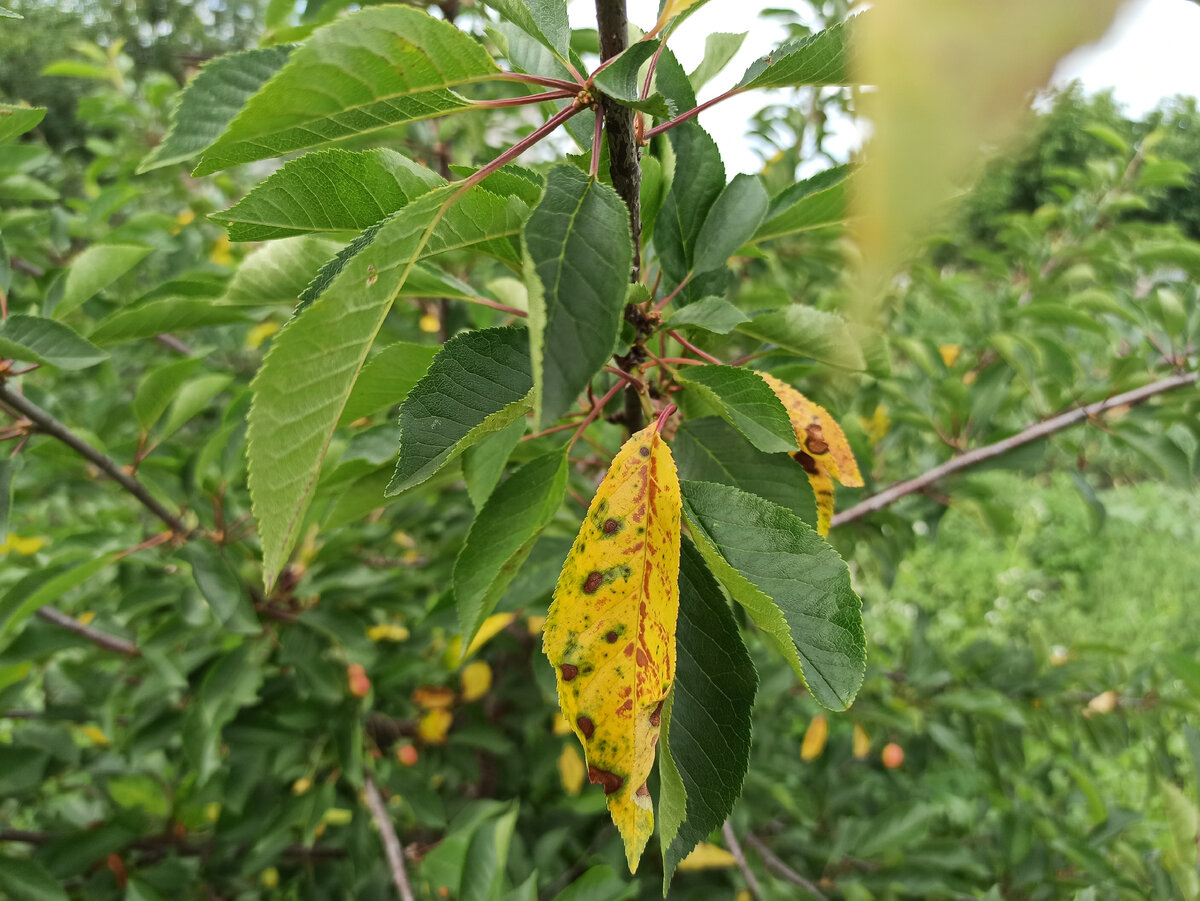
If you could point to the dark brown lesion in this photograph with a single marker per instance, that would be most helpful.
(593, 582)
(809, 464)
(644, 451)
(586, 726)
(656, 716)
(611, 637)
(610, 527)
(643, 792)
(611, 781)
(569, 671)
(816, 442)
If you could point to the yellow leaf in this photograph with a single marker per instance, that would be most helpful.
(185, 217)
(86, 617)
(1105, 702)
(260, 333)
(743, 895)
(822, 487)
(878, 425)
(24, 546)
(95, 735)
(212, 811)
(671, 9)
(560, 726)
(535, 624)
(492, 626)
(429, 324)
(387, 632)
(708, 857)
(434, 725)
(814, 738)
(610, 634)
(337, 816)
(430, 697)
(221, 252)
(949, 353)
(476, 680)
(862, 742)
(571, 770)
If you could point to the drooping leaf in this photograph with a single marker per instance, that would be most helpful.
(731, 221)
(719, 49)
(543, 20)
(279, 272)
(610, 633)
(746, 402)
(174, 314)
(794, 586)
(221, 587)
(33, 339)
(818, 59)
(478, 383)
(387, 379)
(824, 452)
(379, 67)
(578, 254)
(707, 719)
(484, 462)
(713, 314)
(813, 203)
(809, 332)
(502, 536)
(211, 100)
(95, 269)
(699, 179)
(620, 81)
(16, 120)
(330, 190)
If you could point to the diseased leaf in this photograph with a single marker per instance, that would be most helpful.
(818, 59)
(330, 190)
(578, 254)
(174, 314)
(379, 67)
(746, 402)
(16, 120)
(620, 80)
(706, 721)
(95, 269)
(387, 379)
(502, 536)
(33, 339)
(809, 332)
(794, 586)
(478, 383)
(211, 100)
(824, 452)
(610, 633)
(732, 220)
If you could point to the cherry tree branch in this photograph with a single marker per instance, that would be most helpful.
(735, 849)
(95, 636)
(779, 868)
(1032, 433)
(690, 114)
(387, 834)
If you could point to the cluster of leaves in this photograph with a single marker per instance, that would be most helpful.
(408, 567)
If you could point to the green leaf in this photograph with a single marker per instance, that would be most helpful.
(221, 586)
(710, 450)
(211, 100)
(578, 254)
(193, 398)
(8, 466)
(543, 20)
(483, 463)
(707, 719)
(45, 586)
(279, 272)
(732, 219)
(818, 59)
(719, 50)
(231, 683)
(24, 879)
(746, 402)
(671, 80)
(373, 69)
(795, 586)
(158, 387)
(483, 875)
(478, 383)
(33, 339)
(808, 332)
(94, 270)
(502, 536)
(9, 14)
(599, 883)
(387, 379)
(331, 190)
(812, 203)
(173, 314)
(699, 180)
(713, 314)
(5, 268)
(620, 80)
(16, 120)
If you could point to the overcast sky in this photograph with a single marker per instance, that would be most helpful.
(1151, 52)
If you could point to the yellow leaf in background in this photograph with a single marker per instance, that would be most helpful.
(1105, 702)
(814, 738)
(86, 617)
(610, 634)
(222, 251)
(492, 626)
(743, 895)
(878, 425)
(24, 546)
(826, 452)
(429, 324)
(862, 742)
(212, 811)
(560, 726)
(434, 725)
(952, 80)
(571, 770)
(387, 632)
(260, 333)
(338, 816)
(708, 857)
(671, 9)
(95, 735)
(476, 680)
(429, 697)
(185, 217)
(950, 353)
(535, 624)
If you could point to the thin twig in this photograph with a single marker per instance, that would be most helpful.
(596, 408)
(683, 117)
(391, 844)
(540, 80)
(48, 425)
(736, 850)
(541, 97)
(172, 343)
(1032, 433)
(779, 868)
(95, 636)
(693, 348)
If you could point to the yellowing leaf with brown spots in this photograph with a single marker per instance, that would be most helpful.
(610, 633)
(824, 453)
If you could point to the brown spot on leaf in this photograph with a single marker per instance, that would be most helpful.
(610, 781)
(816, 439)
(611, 637)
(644, 451)
(569, 672)
(644, 791)
(642, 659)
(656, 716)
(586, 726)
(809, 464)
(629, 650)
(610, 526)
(593, 582)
